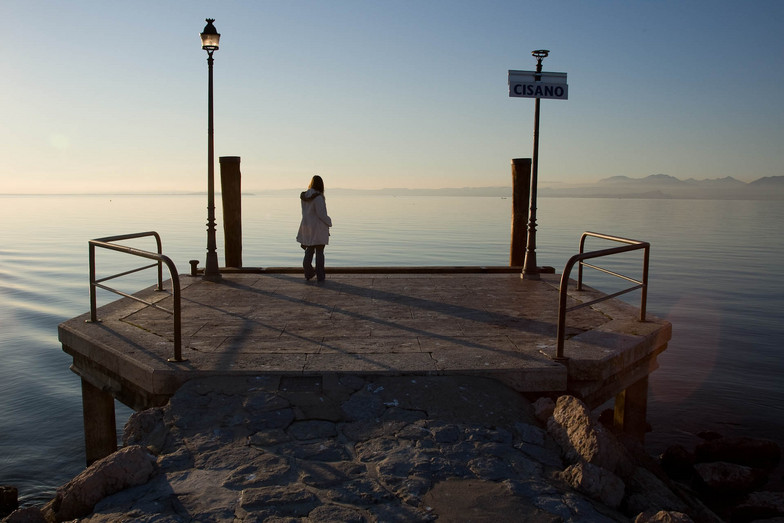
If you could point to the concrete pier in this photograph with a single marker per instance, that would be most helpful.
(365, 321)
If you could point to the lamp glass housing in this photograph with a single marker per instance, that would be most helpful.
(210, 41)
(210, 38)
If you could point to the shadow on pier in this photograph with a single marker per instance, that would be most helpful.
(364, 322)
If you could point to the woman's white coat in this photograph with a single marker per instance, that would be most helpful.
(314, 228)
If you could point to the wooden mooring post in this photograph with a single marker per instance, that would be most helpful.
(521, 195)
(231, 194)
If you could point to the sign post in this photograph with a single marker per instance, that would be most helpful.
(538, 85)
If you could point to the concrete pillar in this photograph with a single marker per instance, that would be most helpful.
(631, 409)
(231, 191)
(100, 428)
(521, 194)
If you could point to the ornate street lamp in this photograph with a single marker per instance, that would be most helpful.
(209, 42)
(530, 270)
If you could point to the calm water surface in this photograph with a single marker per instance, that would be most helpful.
(715, 273)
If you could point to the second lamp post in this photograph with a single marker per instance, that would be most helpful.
(209, 42)
(530, 269)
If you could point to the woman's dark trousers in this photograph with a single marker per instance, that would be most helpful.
(307, 262)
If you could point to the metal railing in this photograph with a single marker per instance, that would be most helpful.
(579, 259)
(160, 259)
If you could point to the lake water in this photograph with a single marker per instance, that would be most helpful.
(715, 273)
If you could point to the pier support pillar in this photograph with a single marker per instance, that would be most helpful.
(100, 427)
(231, 193)
(631, 409)
(521, 194)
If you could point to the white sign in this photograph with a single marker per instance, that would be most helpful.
(523, 84)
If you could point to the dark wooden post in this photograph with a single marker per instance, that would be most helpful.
(100, 427)
(231, 192)
(631, 409)
(521, 192)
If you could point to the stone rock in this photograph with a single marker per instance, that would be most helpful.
(445, 433)
(275, 501)
(273, 419)
(662, 516)
(709, 435)
(460, 399)
(729, 478)
(597, 482)
(760, 505)
(360, 492)
(337, 514)
(146, 428)
(751, 452)
(580, 438)
(26, 515)
(263, 401)
(129, 466)
(364, 404)
(266, 469)
(312, 429)
(677, 462)
(543, 409)
(394, 449)
(268, 438)
(9, 499)
(322, 475)
(531, 434)
(481, 501)
(646, 492)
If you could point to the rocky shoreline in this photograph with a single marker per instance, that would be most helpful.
(410, 448)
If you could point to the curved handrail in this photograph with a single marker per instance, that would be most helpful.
(579, 259)
(160, 259)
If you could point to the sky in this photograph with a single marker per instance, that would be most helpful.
(112, 96)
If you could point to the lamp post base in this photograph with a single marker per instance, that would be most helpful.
(211, 272)
(214, 278)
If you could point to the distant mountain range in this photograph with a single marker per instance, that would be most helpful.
(666, 186)
(654, 186)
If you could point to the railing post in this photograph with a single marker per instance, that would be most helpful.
(561, 330)
(175, 279)
(177, 323)
(561, 333)
(580, 265)
(160, 263)
(93, 305)
(644, 293)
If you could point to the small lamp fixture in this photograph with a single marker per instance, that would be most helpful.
(210, 37)
(538, 54)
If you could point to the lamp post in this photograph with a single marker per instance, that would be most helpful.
(209, 42)
(530, 270)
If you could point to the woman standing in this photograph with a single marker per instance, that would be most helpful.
(313, 233)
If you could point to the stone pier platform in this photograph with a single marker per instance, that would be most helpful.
(368, 322)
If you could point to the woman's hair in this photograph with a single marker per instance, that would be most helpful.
(317, 183)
